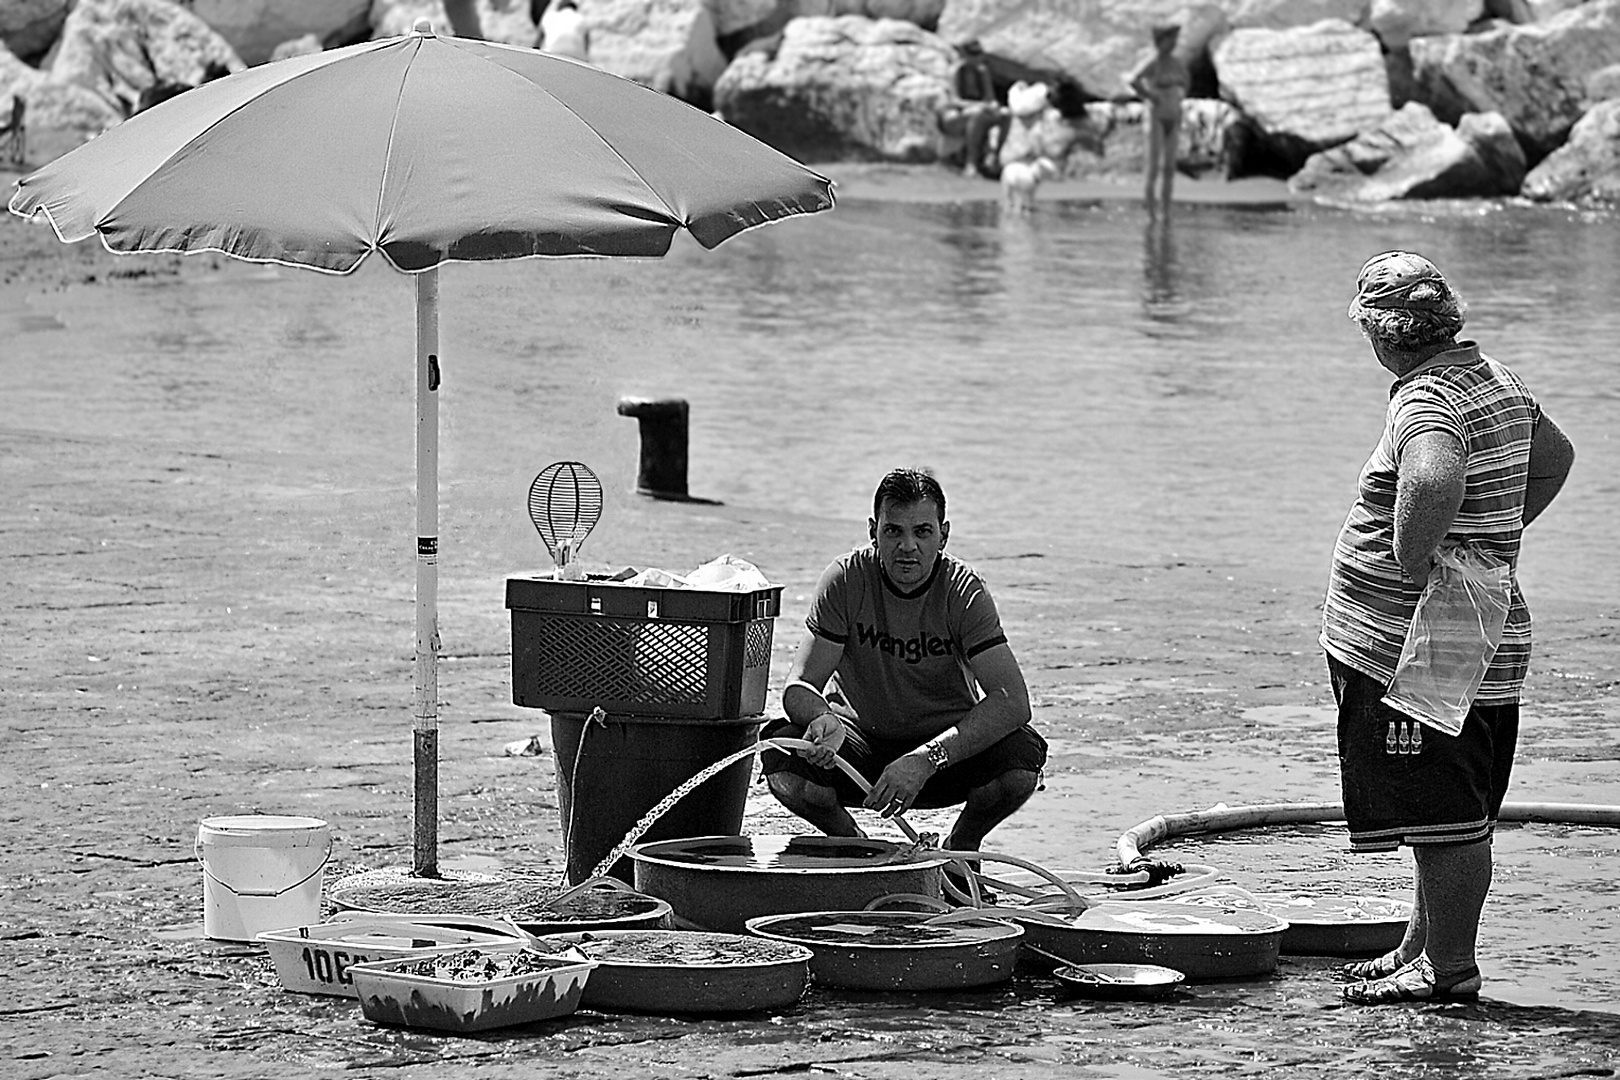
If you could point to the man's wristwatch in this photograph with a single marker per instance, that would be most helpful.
(938, 756)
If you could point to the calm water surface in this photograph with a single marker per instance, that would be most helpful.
(1083, 384)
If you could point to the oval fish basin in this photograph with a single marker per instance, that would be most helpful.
(532, 903)
(1204, 941)
(1320, 925)
(1120, 982)
(598, 908)
(1338, 925)
(898, 950)
(720, 882)
(676, 972)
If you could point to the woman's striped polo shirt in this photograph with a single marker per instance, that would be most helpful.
(1369, 599)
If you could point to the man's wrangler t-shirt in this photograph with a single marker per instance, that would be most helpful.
(904, 670)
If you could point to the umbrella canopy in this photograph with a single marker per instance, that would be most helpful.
(427, 149)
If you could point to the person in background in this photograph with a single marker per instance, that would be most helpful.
(1162, 82)
(563, 31)
(905, 674)
(1027, 135)
(1467, 457)
(980, 112)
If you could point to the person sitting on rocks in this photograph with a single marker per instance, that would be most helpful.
(976, 115)
(906, 675)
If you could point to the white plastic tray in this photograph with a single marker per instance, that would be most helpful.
(316, 959)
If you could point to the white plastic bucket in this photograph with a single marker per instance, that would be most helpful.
(261, 872)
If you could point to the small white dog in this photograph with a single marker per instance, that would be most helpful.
(1019, 179)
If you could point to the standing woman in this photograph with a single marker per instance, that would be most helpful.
(1162, 81)
(1467, 457)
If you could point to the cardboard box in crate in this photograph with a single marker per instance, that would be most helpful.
(695, 654)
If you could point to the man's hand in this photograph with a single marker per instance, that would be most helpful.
(897, 788)
(827, 733)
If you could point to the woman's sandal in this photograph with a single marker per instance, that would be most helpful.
(1414, 982)
(1379, 967)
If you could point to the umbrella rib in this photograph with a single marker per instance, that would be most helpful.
(388, 155)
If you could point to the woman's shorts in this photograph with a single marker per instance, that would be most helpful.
(1022, 751)
(1407, 783)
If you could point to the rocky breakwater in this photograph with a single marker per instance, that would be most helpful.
(82, 67)
(1500, 108)
(1352, 100)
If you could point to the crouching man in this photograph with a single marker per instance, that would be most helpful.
(906, 675)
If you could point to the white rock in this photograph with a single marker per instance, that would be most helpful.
(1411, 155)
(1304, 89)
(669, 45)
(1536, 76)
(1587, 167)
(119, 48)
(1283, 14)
(1603, 84)
(1397, 22)
(846, 88)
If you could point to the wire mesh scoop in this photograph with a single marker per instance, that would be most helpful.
(565, 503)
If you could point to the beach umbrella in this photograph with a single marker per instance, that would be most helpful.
(428, 150)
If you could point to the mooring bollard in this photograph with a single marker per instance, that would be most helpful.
(662, 473)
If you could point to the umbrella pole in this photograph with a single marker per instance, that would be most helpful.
(426, 726)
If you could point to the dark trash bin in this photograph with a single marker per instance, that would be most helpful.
(627, 765)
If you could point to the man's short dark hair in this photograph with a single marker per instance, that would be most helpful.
(907, 486)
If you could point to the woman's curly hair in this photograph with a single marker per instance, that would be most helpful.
(1412, 331)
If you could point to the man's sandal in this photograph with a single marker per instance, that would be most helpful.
(1379, 967)
(1415, 982)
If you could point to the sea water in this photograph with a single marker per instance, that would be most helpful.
(1082, 381)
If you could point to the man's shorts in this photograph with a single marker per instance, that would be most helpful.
(1023, 750)
(1407, 783)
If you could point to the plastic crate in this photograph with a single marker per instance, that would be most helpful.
(692, 654)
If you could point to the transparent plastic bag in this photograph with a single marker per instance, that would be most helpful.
(655, 578)
(728, 573)
(1454, 634)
